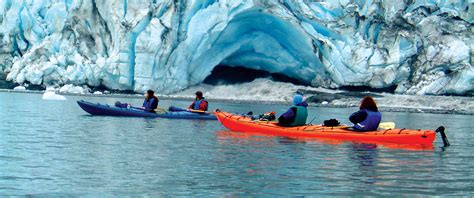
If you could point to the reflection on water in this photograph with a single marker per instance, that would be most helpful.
(365, 154)
(226, 134)
(53, 148)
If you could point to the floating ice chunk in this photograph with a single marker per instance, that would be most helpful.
(19, 88)
(74, 89)
(97, 93)
(51, 95)
(324, 102)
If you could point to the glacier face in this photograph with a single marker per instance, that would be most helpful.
(419, 46)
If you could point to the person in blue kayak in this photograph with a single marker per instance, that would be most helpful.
(200, 103)
(368, 117)
(297, 114)
(151, 101)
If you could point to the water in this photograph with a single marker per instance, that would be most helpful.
(53, 148)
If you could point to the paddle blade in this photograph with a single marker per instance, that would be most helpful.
(158, 110)
(387, 125)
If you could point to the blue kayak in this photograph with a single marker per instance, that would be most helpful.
(107, 110)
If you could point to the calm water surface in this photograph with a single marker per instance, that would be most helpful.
(52, 148)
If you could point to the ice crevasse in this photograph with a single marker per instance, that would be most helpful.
(416, 47)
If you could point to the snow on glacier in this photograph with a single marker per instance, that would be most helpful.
(419, 47)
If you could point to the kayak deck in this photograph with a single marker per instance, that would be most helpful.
(398, 136)
(107, 110)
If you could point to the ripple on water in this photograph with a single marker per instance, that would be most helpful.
(48, 150)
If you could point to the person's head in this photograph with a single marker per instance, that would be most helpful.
(150, 93)
(198, 95)
(297, 99)
(369, 104)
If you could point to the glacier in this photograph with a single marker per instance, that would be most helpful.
(415, 46)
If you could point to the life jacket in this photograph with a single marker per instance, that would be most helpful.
(154, 103)
(197, 103)
(301, 116)
(371, 123)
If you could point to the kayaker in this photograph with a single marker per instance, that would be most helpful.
(368, 117)
(200, 103)
(151, 101)
(296, 115)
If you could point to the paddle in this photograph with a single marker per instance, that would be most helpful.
(177, 109)
(387, 125)
(158, 109)
(312, 120)
(197, 111)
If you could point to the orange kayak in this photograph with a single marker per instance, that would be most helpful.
(397, 136)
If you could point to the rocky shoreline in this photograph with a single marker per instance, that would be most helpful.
(318, 99)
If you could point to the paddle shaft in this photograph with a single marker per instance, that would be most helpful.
(312, 120)
(157, 109)
(173, 108)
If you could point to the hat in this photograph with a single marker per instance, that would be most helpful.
(150, 92)
(198, 94)
(297, 99)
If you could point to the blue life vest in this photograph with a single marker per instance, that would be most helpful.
(371, 123)
(300, 117)
(151, 104)
(197, 103)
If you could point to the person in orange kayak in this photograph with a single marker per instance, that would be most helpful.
(151, 101)
(297, 114)
(368, 117)
(200, 103)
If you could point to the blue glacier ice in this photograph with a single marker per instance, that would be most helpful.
(419, 47)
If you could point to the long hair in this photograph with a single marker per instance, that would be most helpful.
(369, 104)
(149, 94)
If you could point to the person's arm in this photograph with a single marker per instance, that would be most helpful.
(192, 105)
(358, 117)
(287, 117)
(304, 104)
(148, 105)
(145, 104)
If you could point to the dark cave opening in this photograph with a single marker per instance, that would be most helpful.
(224, 74)
(390, 89)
